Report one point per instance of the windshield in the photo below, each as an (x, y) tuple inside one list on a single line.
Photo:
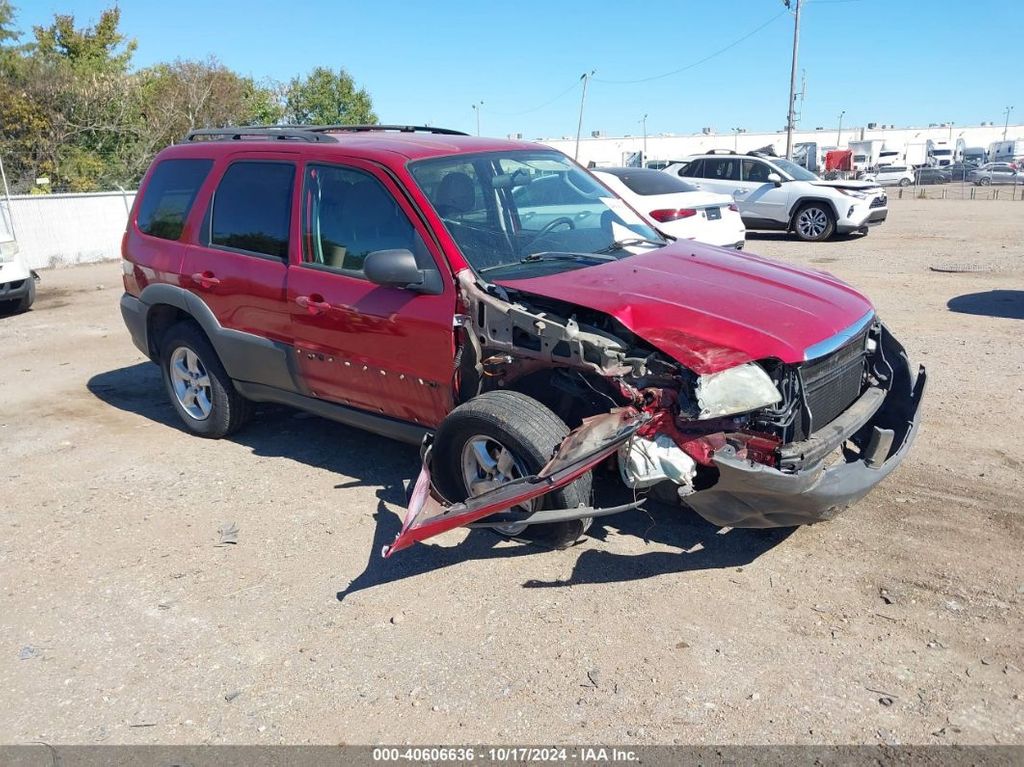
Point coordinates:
[(793, 170), (534, 211)]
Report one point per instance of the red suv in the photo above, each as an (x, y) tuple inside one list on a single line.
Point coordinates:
[(494, 301)]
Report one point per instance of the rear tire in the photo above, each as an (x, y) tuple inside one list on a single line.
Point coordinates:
[(529, 433), (814, 222), (199, 388), (905, 182)]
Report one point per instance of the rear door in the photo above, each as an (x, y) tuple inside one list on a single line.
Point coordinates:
[(238, 263), (722, 175), (386, 350)]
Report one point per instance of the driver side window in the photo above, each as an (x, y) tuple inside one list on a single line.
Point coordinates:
[(347, 214)]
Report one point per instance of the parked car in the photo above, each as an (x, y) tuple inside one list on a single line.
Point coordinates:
[(889, 175), (17, 281), (996, 173), (959, 171), (774, 193), (676, 207), (932, 175), (396, 279)]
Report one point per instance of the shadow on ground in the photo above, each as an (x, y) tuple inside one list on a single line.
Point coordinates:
[(387, 465), (775, 236), (1007, 304)]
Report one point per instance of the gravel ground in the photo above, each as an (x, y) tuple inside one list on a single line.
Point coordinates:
[(123, 621)]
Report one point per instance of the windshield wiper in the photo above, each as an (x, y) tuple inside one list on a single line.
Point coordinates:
[(534, 258), (620, 244)]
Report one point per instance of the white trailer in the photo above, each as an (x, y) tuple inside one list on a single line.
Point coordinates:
[(1006, 151)]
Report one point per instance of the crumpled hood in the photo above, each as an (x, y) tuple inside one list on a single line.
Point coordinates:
[(710, 308)]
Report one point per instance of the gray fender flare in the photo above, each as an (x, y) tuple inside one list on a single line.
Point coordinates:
[(245, 356)]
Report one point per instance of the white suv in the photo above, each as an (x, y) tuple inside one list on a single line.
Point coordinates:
[(773, 193), (890, 175)]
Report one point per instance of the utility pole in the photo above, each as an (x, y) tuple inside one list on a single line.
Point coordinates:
[(476, 108), (583, 100), (736, 139), (839, 136), (1006, 125), (643, 121), (792, 80)]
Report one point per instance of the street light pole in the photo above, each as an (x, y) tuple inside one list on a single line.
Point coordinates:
[(792, 81), (643, 120), (583, 100), (1006, 125), (736, 139), (839, 136), (476, 108)]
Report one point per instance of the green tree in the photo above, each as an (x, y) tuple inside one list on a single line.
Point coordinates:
[(328, 98), (98, 48)]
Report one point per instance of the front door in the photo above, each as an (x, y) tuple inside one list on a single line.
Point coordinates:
[(760, 198), (386, 350)]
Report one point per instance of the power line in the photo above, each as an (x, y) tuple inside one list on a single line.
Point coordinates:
[(695, 63), (545, 104)]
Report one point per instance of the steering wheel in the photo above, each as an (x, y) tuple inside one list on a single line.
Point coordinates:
[(550, 225)]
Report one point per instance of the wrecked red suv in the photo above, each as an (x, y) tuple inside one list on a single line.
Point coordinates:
[(496, 303)]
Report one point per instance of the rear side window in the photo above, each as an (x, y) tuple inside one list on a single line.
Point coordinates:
[(169, 196), (252, 208), (654, 182), (693, 169), (721, 169)]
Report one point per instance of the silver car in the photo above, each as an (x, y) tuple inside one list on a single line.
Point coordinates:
[(996, 173)]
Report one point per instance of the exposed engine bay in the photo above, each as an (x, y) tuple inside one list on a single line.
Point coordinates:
[(754, 408), (759, 444)]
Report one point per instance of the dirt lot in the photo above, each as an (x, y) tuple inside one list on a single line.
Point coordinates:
[(123, 621)]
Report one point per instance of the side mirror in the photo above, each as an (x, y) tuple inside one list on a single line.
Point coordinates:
[(398, 269), (775, 178)]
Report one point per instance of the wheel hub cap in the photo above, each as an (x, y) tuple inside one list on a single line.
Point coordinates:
[(191, 383), (812, 222), (487, 464)]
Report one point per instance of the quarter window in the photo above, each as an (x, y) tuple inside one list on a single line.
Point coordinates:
[(348, 214), (692, 169), (252, 208), (169, 195)]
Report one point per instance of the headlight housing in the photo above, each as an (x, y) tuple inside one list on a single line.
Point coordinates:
[(736, 390), (852, 193)]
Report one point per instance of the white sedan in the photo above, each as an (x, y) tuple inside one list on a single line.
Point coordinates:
[(676, 207)]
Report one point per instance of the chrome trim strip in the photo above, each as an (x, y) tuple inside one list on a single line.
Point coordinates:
[(840, 339)]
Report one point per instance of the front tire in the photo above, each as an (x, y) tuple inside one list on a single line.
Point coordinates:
[(198, 386), (905, 182), (814, 222), (984, 181), (500, 436)]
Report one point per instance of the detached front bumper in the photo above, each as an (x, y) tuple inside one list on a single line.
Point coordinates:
[(753, 495)]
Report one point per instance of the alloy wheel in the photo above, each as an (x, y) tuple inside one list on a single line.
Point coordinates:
[(191, 383), (487, 464), (812, 223)]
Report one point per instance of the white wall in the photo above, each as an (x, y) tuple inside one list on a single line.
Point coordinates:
[(612, 150), (66, 229)]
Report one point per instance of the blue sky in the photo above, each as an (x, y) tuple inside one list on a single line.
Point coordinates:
[(908, 62)]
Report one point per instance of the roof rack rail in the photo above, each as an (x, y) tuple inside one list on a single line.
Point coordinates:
[(371, 128), (240, 133), (721, 151)]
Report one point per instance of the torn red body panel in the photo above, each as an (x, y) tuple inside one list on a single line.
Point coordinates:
[(583, 449)]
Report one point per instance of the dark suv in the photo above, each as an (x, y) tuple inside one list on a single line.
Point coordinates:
[(399, 280)]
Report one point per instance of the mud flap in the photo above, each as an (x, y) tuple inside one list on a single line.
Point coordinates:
[(581, 450)]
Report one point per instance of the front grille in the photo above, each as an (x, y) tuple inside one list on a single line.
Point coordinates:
[(10, 286), (832, 383), (879, 202)]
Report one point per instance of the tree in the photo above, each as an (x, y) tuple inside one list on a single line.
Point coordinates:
[(98, 48), (328, 98)]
